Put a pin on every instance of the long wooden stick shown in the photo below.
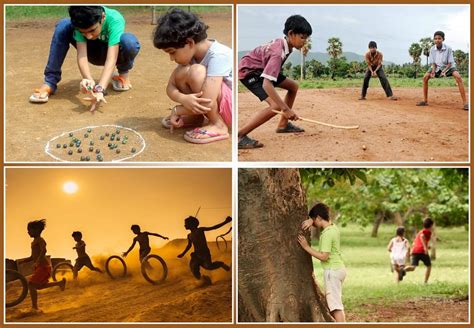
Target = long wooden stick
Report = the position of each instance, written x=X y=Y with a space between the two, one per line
x=321 y=123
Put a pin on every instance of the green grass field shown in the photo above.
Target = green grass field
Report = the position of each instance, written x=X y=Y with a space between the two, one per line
x=370 y=281
x=395 y=82
x=45 y=12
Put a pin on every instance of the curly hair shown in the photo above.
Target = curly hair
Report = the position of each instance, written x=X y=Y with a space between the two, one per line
x=176 y=27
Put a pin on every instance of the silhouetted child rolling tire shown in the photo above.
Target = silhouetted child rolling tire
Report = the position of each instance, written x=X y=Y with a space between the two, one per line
x=112 y=274
x=16 y=288
x=63 y=270
x=154 y=269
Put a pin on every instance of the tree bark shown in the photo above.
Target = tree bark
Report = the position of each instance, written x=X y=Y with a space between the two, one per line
x=379 y=216
x=275 y=275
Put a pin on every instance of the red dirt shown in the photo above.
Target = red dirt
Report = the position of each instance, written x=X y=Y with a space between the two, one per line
x=418 y=310
x=30 y=126
x=391 y=131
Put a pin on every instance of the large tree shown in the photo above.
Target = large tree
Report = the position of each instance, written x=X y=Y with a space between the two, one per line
x=334 y=50
x=276 y=280
x=426 y=44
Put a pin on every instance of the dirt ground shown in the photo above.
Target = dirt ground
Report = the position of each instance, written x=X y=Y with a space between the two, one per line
x=97 y=298
x=391 y=131
x=420 y=310
x=30 y=126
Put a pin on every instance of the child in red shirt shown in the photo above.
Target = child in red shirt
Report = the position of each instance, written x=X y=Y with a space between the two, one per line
x=420 y=248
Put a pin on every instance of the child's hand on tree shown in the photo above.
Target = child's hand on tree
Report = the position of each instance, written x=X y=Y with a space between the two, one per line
x=303 y=242
x=307 y=224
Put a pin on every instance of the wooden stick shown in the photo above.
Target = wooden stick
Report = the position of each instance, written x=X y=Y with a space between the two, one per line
x=321 y=123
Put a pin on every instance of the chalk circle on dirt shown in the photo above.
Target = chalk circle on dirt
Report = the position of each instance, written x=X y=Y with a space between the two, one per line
x=222 y=248
x=116 y=267
x=16 y=288
x=63 y=270
x=101 y=143
x=154 y=269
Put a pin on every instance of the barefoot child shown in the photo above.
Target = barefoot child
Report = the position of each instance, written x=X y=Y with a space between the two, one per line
x=201 y=84
x=143 y=241
x=420 y=249
x=82 y=258
x=97 y=33
x=399 y=249
x=374 y=59
x=442 y=63
x=330 y=256
x=42 y=267
x=201 y=257
x=260 y=72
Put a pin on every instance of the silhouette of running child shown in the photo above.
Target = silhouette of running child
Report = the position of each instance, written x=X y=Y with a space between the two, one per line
x=143 y=241
x=201 y=257
x=42 y=267
x=82 y=258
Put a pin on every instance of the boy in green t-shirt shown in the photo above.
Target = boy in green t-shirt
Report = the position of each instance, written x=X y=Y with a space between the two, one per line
x=330 y=256
x=97 y=33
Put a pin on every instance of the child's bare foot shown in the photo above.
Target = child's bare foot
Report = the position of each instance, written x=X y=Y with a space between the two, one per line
x=62 y=284
x=188 y=120
x=41 y=95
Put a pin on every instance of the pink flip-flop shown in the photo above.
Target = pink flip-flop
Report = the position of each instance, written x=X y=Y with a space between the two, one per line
x=211 y=136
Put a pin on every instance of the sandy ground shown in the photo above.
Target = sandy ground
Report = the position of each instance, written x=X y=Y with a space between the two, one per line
x=97 y=298
x=30 y=126
x=391 y=131
x=416 y=310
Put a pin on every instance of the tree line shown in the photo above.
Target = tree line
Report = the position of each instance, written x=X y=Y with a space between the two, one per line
x=338 y=66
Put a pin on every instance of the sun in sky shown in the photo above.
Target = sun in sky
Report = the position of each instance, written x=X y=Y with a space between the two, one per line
x=70 y=187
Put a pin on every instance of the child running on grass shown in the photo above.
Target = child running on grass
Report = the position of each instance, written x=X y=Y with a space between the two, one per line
x=201 y=84
x=330 y=256
x=420 y=250
x=374 y=60
x=143 y=241
x=399 y=249
x=201 y=257
x=442 y=63
x=260 y=72
x=42 y=268
x=97 y=33
x=82 y=258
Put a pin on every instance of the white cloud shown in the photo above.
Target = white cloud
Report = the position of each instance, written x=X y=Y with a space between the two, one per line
x=457 y=29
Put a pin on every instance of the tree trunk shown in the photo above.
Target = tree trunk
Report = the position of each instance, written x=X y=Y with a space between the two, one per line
x=398 y=220
x=379 y=216
x=276 y=280
x=434 y=240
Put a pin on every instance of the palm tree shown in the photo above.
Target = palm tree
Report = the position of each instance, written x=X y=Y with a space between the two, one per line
x=304 y=52
x=426 y=44
x=415 y=53
x=334 y=50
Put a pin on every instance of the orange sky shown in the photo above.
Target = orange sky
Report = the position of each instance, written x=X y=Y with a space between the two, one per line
x=108 y=201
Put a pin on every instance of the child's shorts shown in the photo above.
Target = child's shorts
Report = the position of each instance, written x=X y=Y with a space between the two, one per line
x=449 y=72
x=41 y=274
x=416 y=258
x=254 y=82
x=225 y=104
x=333 y=280
x=398 y=261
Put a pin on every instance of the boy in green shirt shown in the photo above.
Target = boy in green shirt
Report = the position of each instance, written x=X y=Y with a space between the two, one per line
x=330 y=256
x=97 y=33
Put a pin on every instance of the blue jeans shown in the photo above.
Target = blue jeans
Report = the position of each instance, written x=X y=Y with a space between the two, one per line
x=96 y=52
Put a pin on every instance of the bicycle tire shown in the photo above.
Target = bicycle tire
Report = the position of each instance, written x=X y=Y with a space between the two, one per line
x=163 y=264
x=108 y=270
x=225 y=243
x=24 y=284
x=66 y=264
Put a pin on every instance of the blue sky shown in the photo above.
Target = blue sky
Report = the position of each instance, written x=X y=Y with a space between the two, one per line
x=394 y=27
